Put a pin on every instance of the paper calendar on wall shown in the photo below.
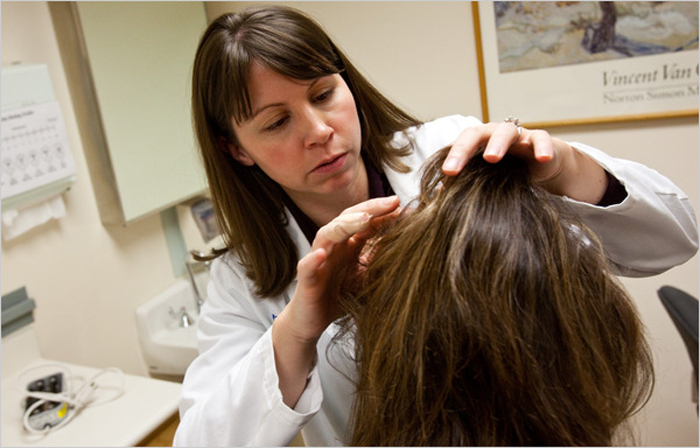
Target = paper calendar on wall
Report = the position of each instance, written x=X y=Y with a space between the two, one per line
x=35 y=149
x=36 y=159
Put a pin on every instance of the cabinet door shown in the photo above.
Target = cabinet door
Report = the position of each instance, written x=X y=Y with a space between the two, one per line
x=132 y=63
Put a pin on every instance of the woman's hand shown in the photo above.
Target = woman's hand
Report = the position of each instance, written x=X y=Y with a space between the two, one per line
x=553 y=163
x=320 y=275
x=332 y=258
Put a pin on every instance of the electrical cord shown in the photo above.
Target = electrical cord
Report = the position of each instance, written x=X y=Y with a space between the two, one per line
x=72 y=401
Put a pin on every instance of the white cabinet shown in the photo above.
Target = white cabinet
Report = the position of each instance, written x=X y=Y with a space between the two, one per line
x=129 y=66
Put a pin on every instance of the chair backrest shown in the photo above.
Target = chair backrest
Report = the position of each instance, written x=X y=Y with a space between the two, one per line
x=683 y=309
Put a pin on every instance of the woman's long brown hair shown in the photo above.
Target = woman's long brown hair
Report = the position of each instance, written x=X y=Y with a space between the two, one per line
x=488 y=316
x=249 y=206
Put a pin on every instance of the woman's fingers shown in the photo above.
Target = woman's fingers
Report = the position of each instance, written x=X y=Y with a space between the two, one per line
x=309 y=265
x=494 y=138
x=376 y=223
x=463 y=148
x=336 y=244
x=332 y=262
x=354 y=220
x=375 y=207
x=330 y=266
x=535 y=145
x=497 y=139
x=345 y=226
x=503 y=137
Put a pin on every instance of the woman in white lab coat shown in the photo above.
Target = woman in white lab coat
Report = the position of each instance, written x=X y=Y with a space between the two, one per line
x=304 y=158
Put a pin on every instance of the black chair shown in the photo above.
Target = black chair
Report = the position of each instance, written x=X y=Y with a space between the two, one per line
x=683 y=309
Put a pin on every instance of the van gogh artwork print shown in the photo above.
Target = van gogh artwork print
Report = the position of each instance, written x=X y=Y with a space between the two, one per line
x=561 y=63
x=545 y=34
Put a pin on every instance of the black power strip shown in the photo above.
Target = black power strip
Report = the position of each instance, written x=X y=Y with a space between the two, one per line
x=48 y=413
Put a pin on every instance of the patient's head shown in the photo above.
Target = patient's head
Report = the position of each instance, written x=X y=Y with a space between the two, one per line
x=488 y=316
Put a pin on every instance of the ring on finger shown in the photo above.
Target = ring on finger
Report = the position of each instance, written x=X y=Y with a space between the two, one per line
x=516 y=122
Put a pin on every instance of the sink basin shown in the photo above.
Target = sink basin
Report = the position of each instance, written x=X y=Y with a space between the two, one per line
x=168 y=347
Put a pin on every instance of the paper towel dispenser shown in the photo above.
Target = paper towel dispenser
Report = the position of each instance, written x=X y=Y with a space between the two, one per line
x=37 y=163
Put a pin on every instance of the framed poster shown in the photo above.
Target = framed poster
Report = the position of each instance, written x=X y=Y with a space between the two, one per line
x=562 y=63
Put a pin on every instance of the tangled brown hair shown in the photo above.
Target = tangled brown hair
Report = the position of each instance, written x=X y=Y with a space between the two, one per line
x=245 y=199
x=489 y=316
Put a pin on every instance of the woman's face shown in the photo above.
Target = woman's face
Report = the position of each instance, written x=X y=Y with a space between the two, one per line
x=305 y=135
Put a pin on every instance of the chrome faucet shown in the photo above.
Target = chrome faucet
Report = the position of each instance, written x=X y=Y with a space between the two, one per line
x=199 y=264
x=184 y=319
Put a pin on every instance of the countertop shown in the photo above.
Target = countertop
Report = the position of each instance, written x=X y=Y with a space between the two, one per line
x=145 y=404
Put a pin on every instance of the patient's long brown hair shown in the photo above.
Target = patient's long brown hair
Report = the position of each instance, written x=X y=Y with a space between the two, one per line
x=489 y=317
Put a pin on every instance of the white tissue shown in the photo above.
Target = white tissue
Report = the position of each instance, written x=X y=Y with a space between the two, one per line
x=15 y=222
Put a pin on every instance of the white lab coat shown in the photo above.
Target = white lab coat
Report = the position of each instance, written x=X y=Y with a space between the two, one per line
x=230 y=393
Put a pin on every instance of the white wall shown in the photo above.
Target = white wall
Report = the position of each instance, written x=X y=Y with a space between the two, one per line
x=88 y=279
